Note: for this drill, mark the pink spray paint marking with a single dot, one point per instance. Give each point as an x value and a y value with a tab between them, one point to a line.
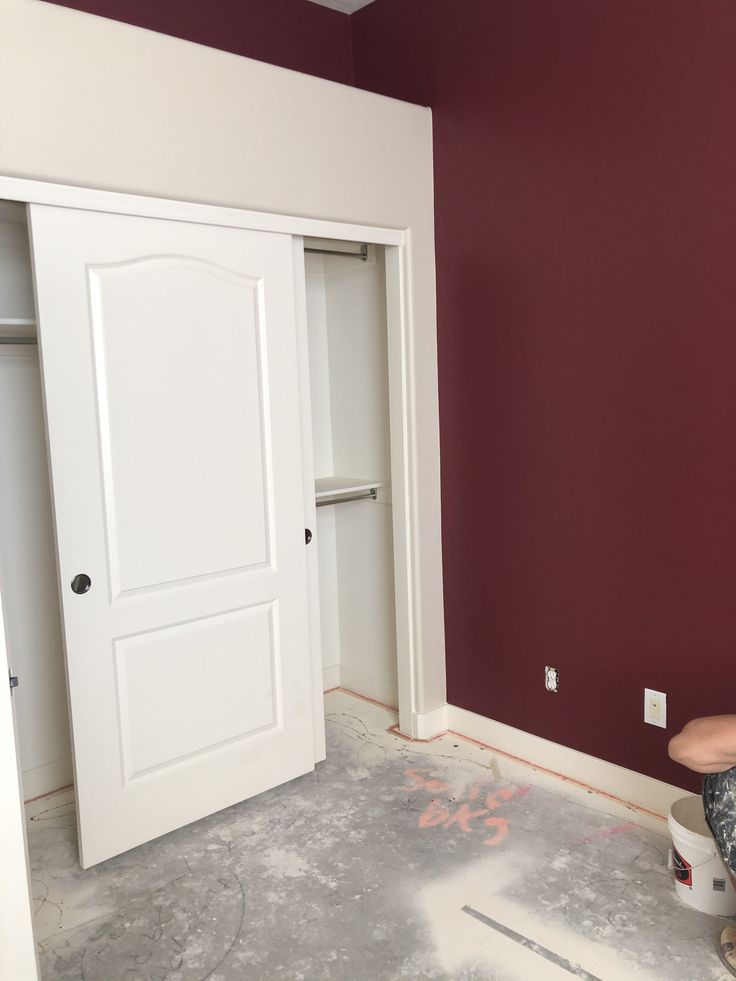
470	812
619	829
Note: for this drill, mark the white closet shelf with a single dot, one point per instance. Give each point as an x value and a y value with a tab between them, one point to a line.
326	487
16	322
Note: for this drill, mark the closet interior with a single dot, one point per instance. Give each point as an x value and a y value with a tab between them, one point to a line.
348	373
348	365
28	579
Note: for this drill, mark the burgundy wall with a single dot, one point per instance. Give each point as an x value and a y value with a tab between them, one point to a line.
586	262
586	271
290	33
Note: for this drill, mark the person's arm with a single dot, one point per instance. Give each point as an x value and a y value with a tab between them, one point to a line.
706	745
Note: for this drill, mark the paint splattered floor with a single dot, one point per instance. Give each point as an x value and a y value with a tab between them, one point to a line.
393	861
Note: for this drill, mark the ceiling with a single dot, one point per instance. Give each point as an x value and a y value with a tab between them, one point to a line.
346	6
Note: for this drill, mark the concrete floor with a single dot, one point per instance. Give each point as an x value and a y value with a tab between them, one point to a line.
394	860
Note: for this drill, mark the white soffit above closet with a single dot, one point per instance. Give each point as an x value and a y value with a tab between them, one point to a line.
346	6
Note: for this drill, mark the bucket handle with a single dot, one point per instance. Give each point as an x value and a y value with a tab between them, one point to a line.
671	861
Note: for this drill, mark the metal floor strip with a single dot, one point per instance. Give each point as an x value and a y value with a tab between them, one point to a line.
536	948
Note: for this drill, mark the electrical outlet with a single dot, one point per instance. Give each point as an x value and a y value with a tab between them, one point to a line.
655	708
552	679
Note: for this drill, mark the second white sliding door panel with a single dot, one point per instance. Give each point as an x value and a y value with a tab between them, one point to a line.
169	361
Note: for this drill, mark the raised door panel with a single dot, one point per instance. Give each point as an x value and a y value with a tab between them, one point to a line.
203	457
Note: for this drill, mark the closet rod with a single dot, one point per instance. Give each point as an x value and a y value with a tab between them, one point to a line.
372	495
362	255
18	340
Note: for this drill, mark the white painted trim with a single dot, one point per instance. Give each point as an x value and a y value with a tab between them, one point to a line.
420	635
626	786
403	484
427	725
88	199
47	778
330	677
310	507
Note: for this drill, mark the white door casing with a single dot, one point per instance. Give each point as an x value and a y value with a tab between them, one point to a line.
168	354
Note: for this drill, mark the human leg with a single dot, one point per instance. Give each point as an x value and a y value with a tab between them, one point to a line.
708	746
719	802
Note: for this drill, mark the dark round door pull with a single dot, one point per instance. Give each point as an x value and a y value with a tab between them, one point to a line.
81	583
307	536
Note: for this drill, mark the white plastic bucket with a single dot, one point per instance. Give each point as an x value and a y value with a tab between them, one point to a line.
701	879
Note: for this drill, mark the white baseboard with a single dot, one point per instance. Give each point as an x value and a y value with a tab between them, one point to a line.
427	725
47	777
608	779
331	677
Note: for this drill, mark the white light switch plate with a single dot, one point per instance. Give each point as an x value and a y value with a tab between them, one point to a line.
655	708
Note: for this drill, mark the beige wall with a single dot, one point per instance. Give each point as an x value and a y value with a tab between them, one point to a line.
92	102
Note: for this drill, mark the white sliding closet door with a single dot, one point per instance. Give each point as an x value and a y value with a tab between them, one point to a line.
169	362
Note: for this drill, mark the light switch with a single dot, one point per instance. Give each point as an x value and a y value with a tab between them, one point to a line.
655	708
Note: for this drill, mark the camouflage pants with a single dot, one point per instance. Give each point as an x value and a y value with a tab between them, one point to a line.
719	800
